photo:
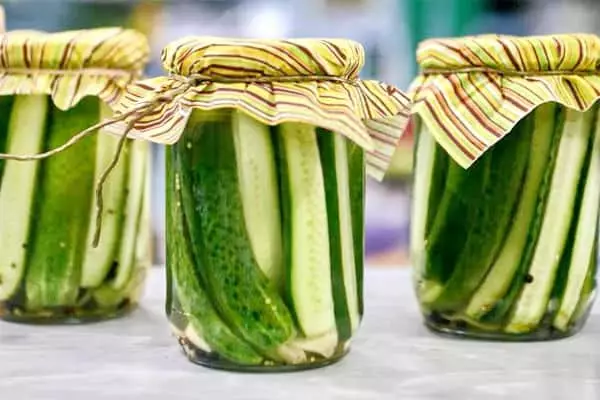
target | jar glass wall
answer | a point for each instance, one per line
(507, 249)
(49, 271)
(265, 237)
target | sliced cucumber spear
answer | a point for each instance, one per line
(533, 300)
(506, 265)
(98, 261)
(258, 187)
(59, 237)
(308, 261)
(334, 161)
(583, 254)
(203, 319)
(25, 136)
(138, 163)
(214, 208)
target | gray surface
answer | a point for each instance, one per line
(393, 357)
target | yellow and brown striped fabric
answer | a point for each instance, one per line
(474, 90)
(71, 65)
(324, 90)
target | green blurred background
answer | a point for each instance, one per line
(389, 30)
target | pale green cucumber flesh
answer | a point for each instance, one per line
(533, 299)
(63, 210)
(506, 265)
(308, 280)
(582, 254)
(26, 133)
(257, 176)
(426, 148)
(138, 163)
(97, 261)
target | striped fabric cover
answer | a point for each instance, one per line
(370, 113)
(474, 90)
(96, 62)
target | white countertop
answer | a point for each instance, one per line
(393, 357)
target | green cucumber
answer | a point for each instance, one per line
(334, 160)
(192, 299)
(214, 210)
(357, 174)
(307, 239)
(498, 281)
(58, 240)
(582, 254)
(137, 178)
(259, 191)
(508, 161)
(6, 103)
(533, 299)
(588, 291)
(459, 208)
(431, 163)
(26, 131)
(97, 261)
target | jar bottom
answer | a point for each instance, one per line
(211, 360)
(462, 329)
(64, 315)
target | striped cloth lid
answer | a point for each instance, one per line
(472, 91)
(71, 65)
(312, 81)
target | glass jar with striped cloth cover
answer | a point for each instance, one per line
(265, 193)
(52, 85)
(507, 186)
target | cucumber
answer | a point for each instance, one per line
(214, 210)
(97, 261)
(192, 299)
(58, 240)
(588, 291)
(499, 313)
(6, 103)
(357, 172)
(430, 167)
(334, 160)
(533, 299)
(307, 239)
(583, 254)
(259, 190)
(498, 281)
(138, 163)
(26, 132)
(459, 208)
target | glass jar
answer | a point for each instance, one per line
(270, 142)
(506, 247)
(265, 241)
(49, 270)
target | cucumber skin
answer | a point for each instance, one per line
(6, 103)
(59, 235)
(223, 253)
(340, 300)
(507, 165)
(498, 314)
(357, 173)
(458, 208)
(185, 285)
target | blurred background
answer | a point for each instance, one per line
(388, 29)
